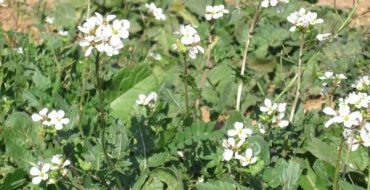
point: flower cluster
(54, 118)
(333, 80)
(330, 81)
(189, 41)
(352, 114)
(155, 11)
(49, 172)
(323, 36)
(272, 115)
(362, 84)
(303, 20)
(215, 12)
(147, 100)
(100, 33)
(236, 143)
(272, 3)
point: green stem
(337, 165)
(298, 90)
(245, 55)
(102, 119)
(186, 87)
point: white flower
(362, 83)
(57, 119)
(49, 20)
(344, 115)
(281, 107)
(272, 3)
(194, 50)
(148, 101)
(39, 173)
(59, 162)
(155, 56)
(303, 19)
(359, 100)
(261, 128)
(41, 116)
(323, 37)
(269, 107)
(279, 119)
(355, 144)
(365, 135)
(231, 147)
(239, 131)
(189, 35)
(63, 32)
(104, 33)
(327, 75)
(141, 99)
(155, 11)
(190, 40)
(19, 50)
(248, 158)
(215, 12)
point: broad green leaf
(290, 176)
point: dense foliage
(181, 95)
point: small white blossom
(365, 135)
(59, 162)
(49, 20)
(239, 131)
(272, 3)
(279, 120)
(155, 56)
(344, 115)
(40, 173)
(189, 40)
(362, 83)
(57, 119)
(63, 32)
(323, 37)
(303, 20)
(247, 158)
(269, 107)
(215, 12)
(148, 101)
(359, 100)
(19, 50)
(231, 147)
(105, 34)
(155, 11)
(41, 116)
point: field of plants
(184, 94)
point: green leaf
(291, 176)
(122, 106)
(272, 176)
(322, 150)
(159, 159)
(219, 185)
(160, 177)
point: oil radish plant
(103, 35)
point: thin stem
(102, 118)
(286, 88)
(347, 155)
(337, 165)
(186, 86)
(209, 65)
(245, 55)
(144, 148)
(298, 90)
